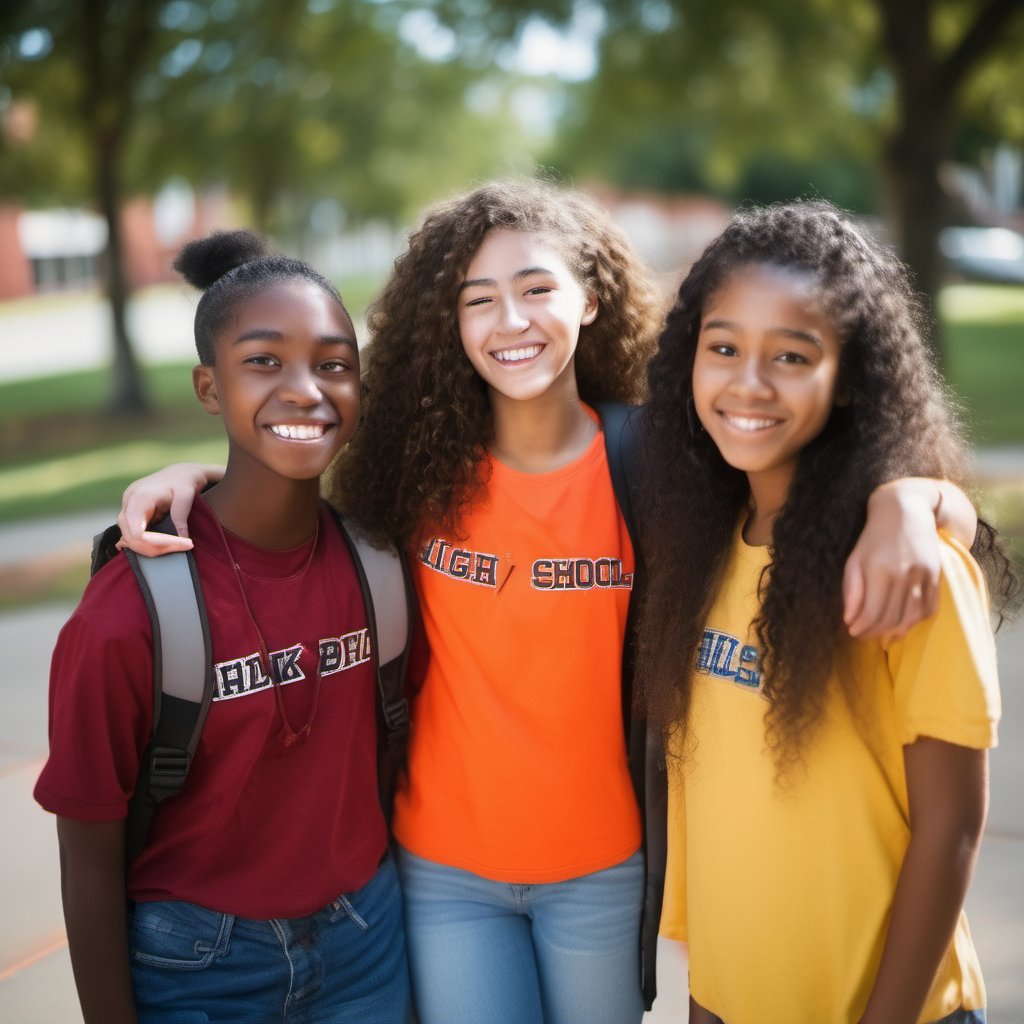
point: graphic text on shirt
(240, 677)
(727, 657)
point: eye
(260, 360)
(335, 366)
(480, 300)
(792, 358)
(539, 289)
(722, 348)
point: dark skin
(92, 891)
(287, 364)
(947, 787)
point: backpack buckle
(168, 767)
(396, 715)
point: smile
(518, 355)
(749, 423)
(298, 431)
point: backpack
(646, 757)
(183, 681)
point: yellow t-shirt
(517, 759)
(784, 893)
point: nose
(512, 319)
(751, 379)
(299, 387)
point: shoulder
(944, 669)
(112, 604)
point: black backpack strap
(619, 422)
(390, 603)
(182, 675)
(621, 425)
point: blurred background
(129, 126)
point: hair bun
(208, 259)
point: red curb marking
(57, 943)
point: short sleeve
(101, 701)
(944, 670)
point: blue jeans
(344, 964)
(484, 952)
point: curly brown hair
(415, 460)
(899, 422)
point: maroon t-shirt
(260, 829)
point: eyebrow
(490, 282)
(786, 332)
(268, 334)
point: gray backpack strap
(390, 603)
(385, 578)
(182, 676)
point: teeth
(298, 431)
(513, 355)
(749, 423)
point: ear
(590, 310)
(206, 389)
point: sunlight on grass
(52, 476)
(982, 302)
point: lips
(299, 431)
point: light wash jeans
(345, 964)
(484, 952)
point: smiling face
(285, 380)
(765, 373)
(520, 309)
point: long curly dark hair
(899, 422)
(426, 419)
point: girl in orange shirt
(515, 309)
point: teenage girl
(257, 896)
(828, 802)
(515, 308)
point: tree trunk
(128, 394)
(913, 157)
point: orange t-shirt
(517, 761)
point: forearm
(94, 914)
(950, 508)
(930, 891)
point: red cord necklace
(287, 736)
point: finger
(154, 544)
(853, 590)
(877, 596)
(922, 603)
(181, 505)
(891, 613)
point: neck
(541, 434)
(273, 517)
(768, 493)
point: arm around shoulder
(92, 871)
(167, 491)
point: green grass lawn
(985, 358)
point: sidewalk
(36, 986)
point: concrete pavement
(36, 985)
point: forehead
(763, 291)
(505, 251)
(290, 304)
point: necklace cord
(288, 735)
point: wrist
(911, 494)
